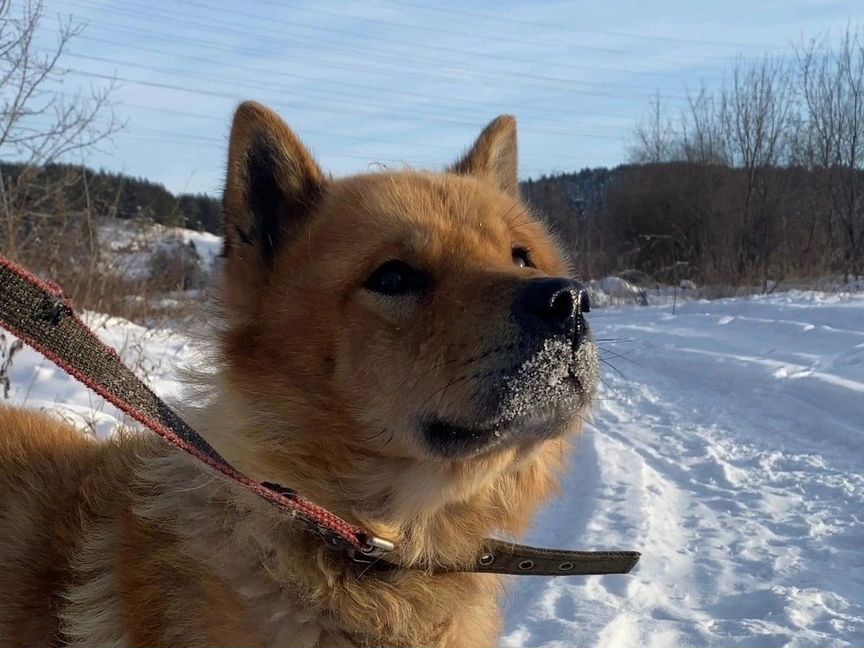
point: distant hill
(117, 195)
(567, 198)
(711, 223)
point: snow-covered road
(729, 448)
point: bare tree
(655, 138)
(755, 110)
(701, 138)
(832, 88)
(39, 123)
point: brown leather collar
(501, 557)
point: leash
(37, 312)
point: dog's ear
(493, 157)
(272, 185)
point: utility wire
(577, 30)
(197, 23)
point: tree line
(756, 181)
(73, 189)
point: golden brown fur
(323, 385)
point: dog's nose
(551, 306)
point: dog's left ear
(494, 156)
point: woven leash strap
(37, 312)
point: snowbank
(153, 354)
(130, 246)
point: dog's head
(396, 318)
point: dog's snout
(551, 305)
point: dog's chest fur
(234, 572)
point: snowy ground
(727, 447)
(729, 451)
(153, 354)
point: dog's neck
(435, 512)
(281, 570)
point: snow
(726, 445)
(153, 354)
(129, 246)
(207, 245)
(614, 290)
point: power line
(214, 141)
(432, 115)
(220, 143)
(487, 80)
(544, 81)
(281, 74)
(390, 23)
(214, 144)
(311, 131)
(339, 32)
(365, 99)
(578, 30)
(273, 20)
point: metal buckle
(375, 548)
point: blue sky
(400, 82)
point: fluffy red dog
(404, 348)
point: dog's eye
(396, 278)
(522, 257)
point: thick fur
(320, 384)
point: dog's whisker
(507, 219)
(607, 349)
(613, 368)
(611, 389)
(375, 436)
(386, 443)
(622, 356)
(437, 391)
(528, 218)
(314, 375)
(203, 484)
(368, 567)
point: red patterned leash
(37, 312)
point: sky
(409, 82)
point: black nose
(551, 305)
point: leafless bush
(40, 225)
(758, 180)
(176, 266)
(8, 349)
(832, 90)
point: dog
(405, 348)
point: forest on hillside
(684, 220)
(75, 189)
(671, 220)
